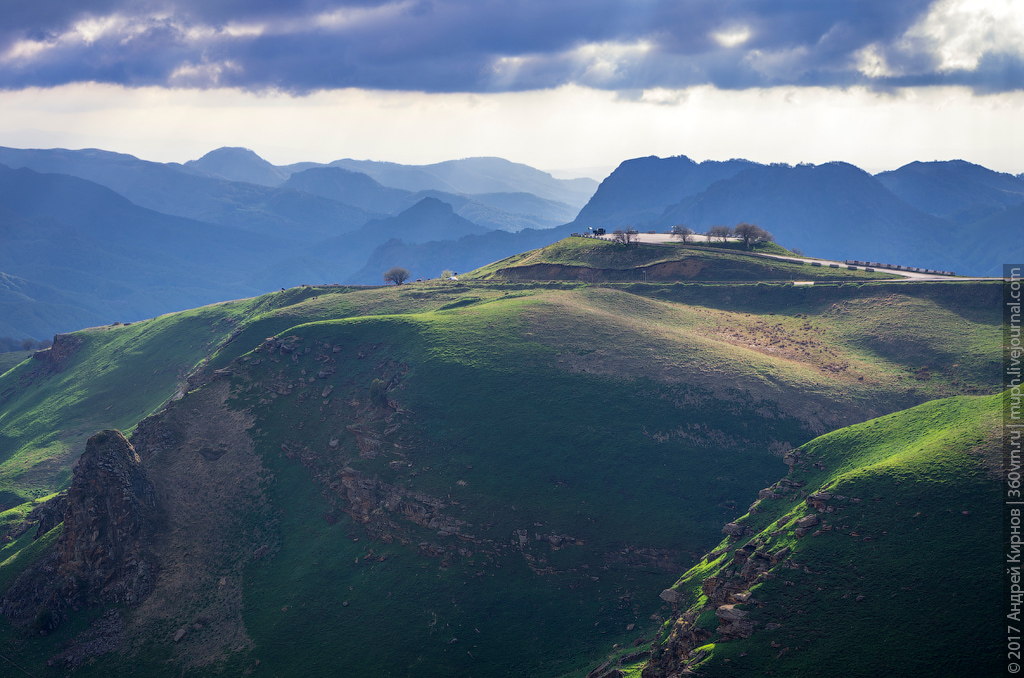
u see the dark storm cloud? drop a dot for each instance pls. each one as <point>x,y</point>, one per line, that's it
<point>468,45</point>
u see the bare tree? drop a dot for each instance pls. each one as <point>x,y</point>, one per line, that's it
<point>625,237</point>
<point>397,275</point>
<point>682,233</point>
<point>723,233</point>
<point>751,233</point>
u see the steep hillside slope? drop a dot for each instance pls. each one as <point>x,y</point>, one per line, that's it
<point>877,553</point>
<point>487,478</point>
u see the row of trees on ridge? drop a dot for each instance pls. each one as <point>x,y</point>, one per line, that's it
<point>748,233</point>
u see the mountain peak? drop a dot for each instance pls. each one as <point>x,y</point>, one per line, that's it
<point>429,207</point>
<point>239,164</point>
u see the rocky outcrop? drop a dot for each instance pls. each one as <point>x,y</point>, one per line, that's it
<point>58,354</point>
<point>751,564</point>
<point>373,503</point>
<point>105,525</point>
<point>102,555</point>
<point>671,658</point>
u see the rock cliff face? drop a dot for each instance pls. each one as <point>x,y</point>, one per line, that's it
<point>102,555</point>
<point>57,355</point>
<point>106,523</point>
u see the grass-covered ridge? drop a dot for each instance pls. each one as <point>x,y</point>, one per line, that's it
<point>906,553</point>
<point>479,461</point>
<point>593,260</point>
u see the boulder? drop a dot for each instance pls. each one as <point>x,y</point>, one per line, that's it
<point>734,623</point>
<point>809,521</point>
<point>671,596</point>
<point>733,530</point>
<point>729,614</point>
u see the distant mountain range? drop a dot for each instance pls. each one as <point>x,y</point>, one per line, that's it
<point>947,215</point>
<point>93,236</point>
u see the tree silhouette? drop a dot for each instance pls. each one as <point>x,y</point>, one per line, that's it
<point>681,233</point>
<point>751,233</point>
<point>625,237</point>
<point>397,275</point>
<point>723,233</point>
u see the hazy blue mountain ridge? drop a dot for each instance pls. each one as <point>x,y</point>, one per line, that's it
<point>834,210</point>
<point>239,164</point>
<point>31,309</point>
<point>349,187</point>
<point>475,175</point>
<point>114,235</point>
<point>954,189</point>
<point>505,211</point>
<point>638,191</point>
<point>175,190</point>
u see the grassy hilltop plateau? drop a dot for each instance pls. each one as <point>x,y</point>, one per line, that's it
<point>586,459</point>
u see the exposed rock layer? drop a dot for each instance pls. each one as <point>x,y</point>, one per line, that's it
<point>102,555</point>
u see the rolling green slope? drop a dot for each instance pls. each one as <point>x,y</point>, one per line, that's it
<point>478,478</point>
<point>898,575</point>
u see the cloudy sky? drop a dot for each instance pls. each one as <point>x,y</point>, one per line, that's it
<point>558,84</point>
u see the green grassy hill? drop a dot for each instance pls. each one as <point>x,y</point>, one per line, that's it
<point>596,260</point>
<point>899,575</point>
<point>479,478</point>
